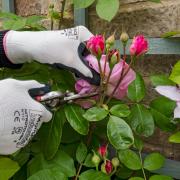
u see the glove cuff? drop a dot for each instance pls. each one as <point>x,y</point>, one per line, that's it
<point>4,61</point>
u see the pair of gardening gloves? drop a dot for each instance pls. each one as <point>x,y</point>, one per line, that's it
<point>20,115</point>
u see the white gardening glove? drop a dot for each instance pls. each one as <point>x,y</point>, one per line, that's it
<point>20,115</point>
<point>60,48</point>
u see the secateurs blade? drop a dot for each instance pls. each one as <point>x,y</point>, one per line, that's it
<point>56,98</point>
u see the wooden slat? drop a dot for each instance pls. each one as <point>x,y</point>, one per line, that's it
<point>171,168</point>
<point>8,5</point>
<point>157,46</point>
<point>80,17</point>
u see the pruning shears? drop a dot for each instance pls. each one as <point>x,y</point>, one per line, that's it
<point>55,98</point>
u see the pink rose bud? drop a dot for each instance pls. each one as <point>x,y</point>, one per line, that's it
<point>108,166</point>
<point>139,46</point>
<point>96,45</point>
<point>102,151</point>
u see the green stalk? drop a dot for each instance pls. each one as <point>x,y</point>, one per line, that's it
<point>144,174</point>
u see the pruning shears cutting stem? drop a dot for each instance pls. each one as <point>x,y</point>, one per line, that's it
<point>56,98</point>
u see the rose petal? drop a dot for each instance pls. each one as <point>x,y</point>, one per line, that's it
<point>170,92</point>
<point>177,111</point>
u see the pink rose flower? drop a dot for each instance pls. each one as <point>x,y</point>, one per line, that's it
<point>139,46</point>
<point>83,86</point>
<point>96,45</point>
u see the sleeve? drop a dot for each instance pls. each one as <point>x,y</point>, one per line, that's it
<point>4,61</point>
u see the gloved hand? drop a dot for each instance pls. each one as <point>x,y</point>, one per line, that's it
<point>59,48</point>
<point>20,115</point>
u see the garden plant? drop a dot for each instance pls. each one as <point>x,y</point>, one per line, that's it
<point>97,138</point>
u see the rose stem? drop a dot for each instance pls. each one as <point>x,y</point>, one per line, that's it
<point>122,74</point>
<point>62,14</point>
<point>142,166</point>
<point>92,127</point>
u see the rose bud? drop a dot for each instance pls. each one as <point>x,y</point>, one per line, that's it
<point>139,46</point>
<point>110,41</point>
<point>96,45</point>
<point>115,162</point>
<point>103,151</point>
<point>103,169</point>
<point>96,159</point>
<point>124,38</point>
<point>114,57</point>
<point>108,166</point>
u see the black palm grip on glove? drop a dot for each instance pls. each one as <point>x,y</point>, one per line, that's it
<point>82,52</point>
<point>39,91</point>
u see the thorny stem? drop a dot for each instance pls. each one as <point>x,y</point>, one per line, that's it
<point>145,178</point>
<point>101,83</point>
<point>106,84</point>
<point>92,127</point>
<point>122,73</point>
<point>62,14</point>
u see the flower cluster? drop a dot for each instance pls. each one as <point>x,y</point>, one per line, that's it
<point>100,159</point>
<point>115,73</point>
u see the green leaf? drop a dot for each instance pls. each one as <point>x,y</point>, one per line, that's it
<point>8,24</point>
<point>88,161</point>
<point>160,80</point>
<point>8,168</point>
<point>164,105</point>
<point>141,120</point>
<point>95,114</point>
<point>130,159</point>
<point>175,74</point>
<point>82,4</point>
<point>136,178</point>
<point>119,133</point>
<point>19,24</point>
<point>54,134</point>
<point>175,138</point>
<point>136,90</point>
<point>62,161</point>
<point>74,115</point>
<point>120,110</point>
<point>154,161</point>
<point>170,34</point>
<point>8,15</point>
<point>107,9</point>
<point>48,174</point>
<point>138,144</point>
<point>81,152</point>
<point>31,20</point>
<point>123,172</point>
<point>162,110</point>
<point>93,175</point>
<point>160,177</point>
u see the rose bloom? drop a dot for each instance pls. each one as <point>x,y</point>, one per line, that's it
<point>96,45</point>
<point>83,86</point>
<point>139,46</point>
